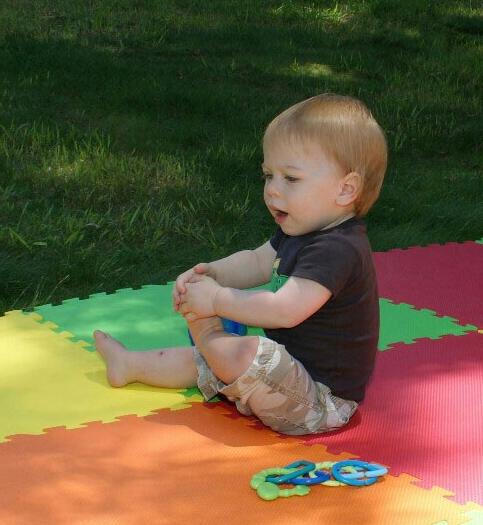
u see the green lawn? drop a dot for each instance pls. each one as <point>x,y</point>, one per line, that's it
<point>130,129</point>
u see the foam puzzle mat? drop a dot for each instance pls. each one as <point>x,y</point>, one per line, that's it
<point>73,450</point>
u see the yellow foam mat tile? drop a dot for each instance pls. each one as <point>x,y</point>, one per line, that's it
<point>47,381</point>
<point>473,516</point>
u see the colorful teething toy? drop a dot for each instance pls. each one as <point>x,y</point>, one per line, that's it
<point>303,473</point>
<point>326,467</point>
<point>367,473</point>
<point>318,477</point>
<point>270,491</point>
<point>307,467</point>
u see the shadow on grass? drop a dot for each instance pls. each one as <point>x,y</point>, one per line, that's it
<point>168,105</point>
<point>198,83</point>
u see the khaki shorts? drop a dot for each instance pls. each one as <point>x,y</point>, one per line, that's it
<point>280,392</point>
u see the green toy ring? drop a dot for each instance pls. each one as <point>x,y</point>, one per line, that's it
<point>327,465</point>
<point>270,491</point>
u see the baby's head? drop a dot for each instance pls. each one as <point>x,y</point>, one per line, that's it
<point>342,131</point>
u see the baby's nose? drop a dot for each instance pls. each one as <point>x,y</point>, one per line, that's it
<point>272,189</point>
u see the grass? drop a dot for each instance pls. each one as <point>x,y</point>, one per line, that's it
<point>130,129</point>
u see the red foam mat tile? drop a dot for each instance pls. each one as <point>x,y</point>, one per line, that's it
<point>423,415</point>
<point>444,278</point>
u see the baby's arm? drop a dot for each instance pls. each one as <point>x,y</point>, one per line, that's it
<point>294,302</point>
<point>245,269</point>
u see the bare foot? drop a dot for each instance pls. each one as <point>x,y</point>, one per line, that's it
<point>114,354</point>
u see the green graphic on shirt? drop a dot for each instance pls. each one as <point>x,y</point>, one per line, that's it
<point>277,281</point>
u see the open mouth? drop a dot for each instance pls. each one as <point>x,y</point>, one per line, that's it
<point>280,216</point>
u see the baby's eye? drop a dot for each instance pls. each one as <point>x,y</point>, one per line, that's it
<point>291,179</point>
<point>266,176</point>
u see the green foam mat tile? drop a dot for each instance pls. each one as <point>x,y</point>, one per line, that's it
<point>141,319</point>
<point>144,319</point>
<point>402,323</point>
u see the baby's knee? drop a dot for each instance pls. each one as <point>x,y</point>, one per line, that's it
<point>247,350</point>
<point>238,358</point>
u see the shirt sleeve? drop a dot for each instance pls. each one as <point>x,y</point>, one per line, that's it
<point>276,238</point>
<point>329,262</point>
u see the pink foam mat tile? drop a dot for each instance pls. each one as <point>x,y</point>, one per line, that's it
<point>445,278</point>
<point>423,415</point>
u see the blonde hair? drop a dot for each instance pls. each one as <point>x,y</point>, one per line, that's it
<point>346,132</point>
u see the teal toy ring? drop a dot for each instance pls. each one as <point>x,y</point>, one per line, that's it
<point>298,468</point>
<point>366,474</point>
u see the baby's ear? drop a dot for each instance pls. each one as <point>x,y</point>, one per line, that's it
<point>349,188</point>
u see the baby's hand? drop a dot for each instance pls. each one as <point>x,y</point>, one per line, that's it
<point>199,299</point>
<point>180,284</point>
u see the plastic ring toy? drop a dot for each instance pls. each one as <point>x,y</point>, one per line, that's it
<point>368,473</point>
<point>230,327</point>
<point>362,479</point>
<point>233,327</point>
<point>317,477</point>
<point>270,491</point>
<point>327,466</point>
<point>306,467</point>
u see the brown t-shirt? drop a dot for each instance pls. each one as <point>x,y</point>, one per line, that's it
<point>338,343</point>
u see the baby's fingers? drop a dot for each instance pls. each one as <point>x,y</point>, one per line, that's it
<point>196,278</point>
<point>179,298</point>
<point>191,316</point>
<point>180,284</point>
<point>176,297</point>
<point>182,279</point>
<point>187,310</point>
<point>201,268</point>
<point>176,302</point>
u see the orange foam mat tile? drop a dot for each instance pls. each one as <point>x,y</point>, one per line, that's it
<point>190,466</point>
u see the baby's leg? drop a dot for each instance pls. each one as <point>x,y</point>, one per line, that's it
<point>163,367</point>
<point>228,356</point>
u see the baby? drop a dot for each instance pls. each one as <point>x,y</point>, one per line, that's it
<point>324,164</point>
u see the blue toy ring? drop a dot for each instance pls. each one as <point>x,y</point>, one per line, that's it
<point>306,467</point>
<point>382,471</point>
<point>230,327</point>
<point>319,477</point>
<point>367,476</point>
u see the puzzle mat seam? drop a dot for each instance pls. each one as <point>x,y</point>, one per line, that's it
<point>469,510</point>
<point>464,328</point>
<point>432,245</point>
<point>468,328</point>
<point>416,246</point>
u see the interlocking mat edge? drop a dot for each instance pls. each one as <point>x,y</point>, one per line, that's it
<point>164,456</point>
